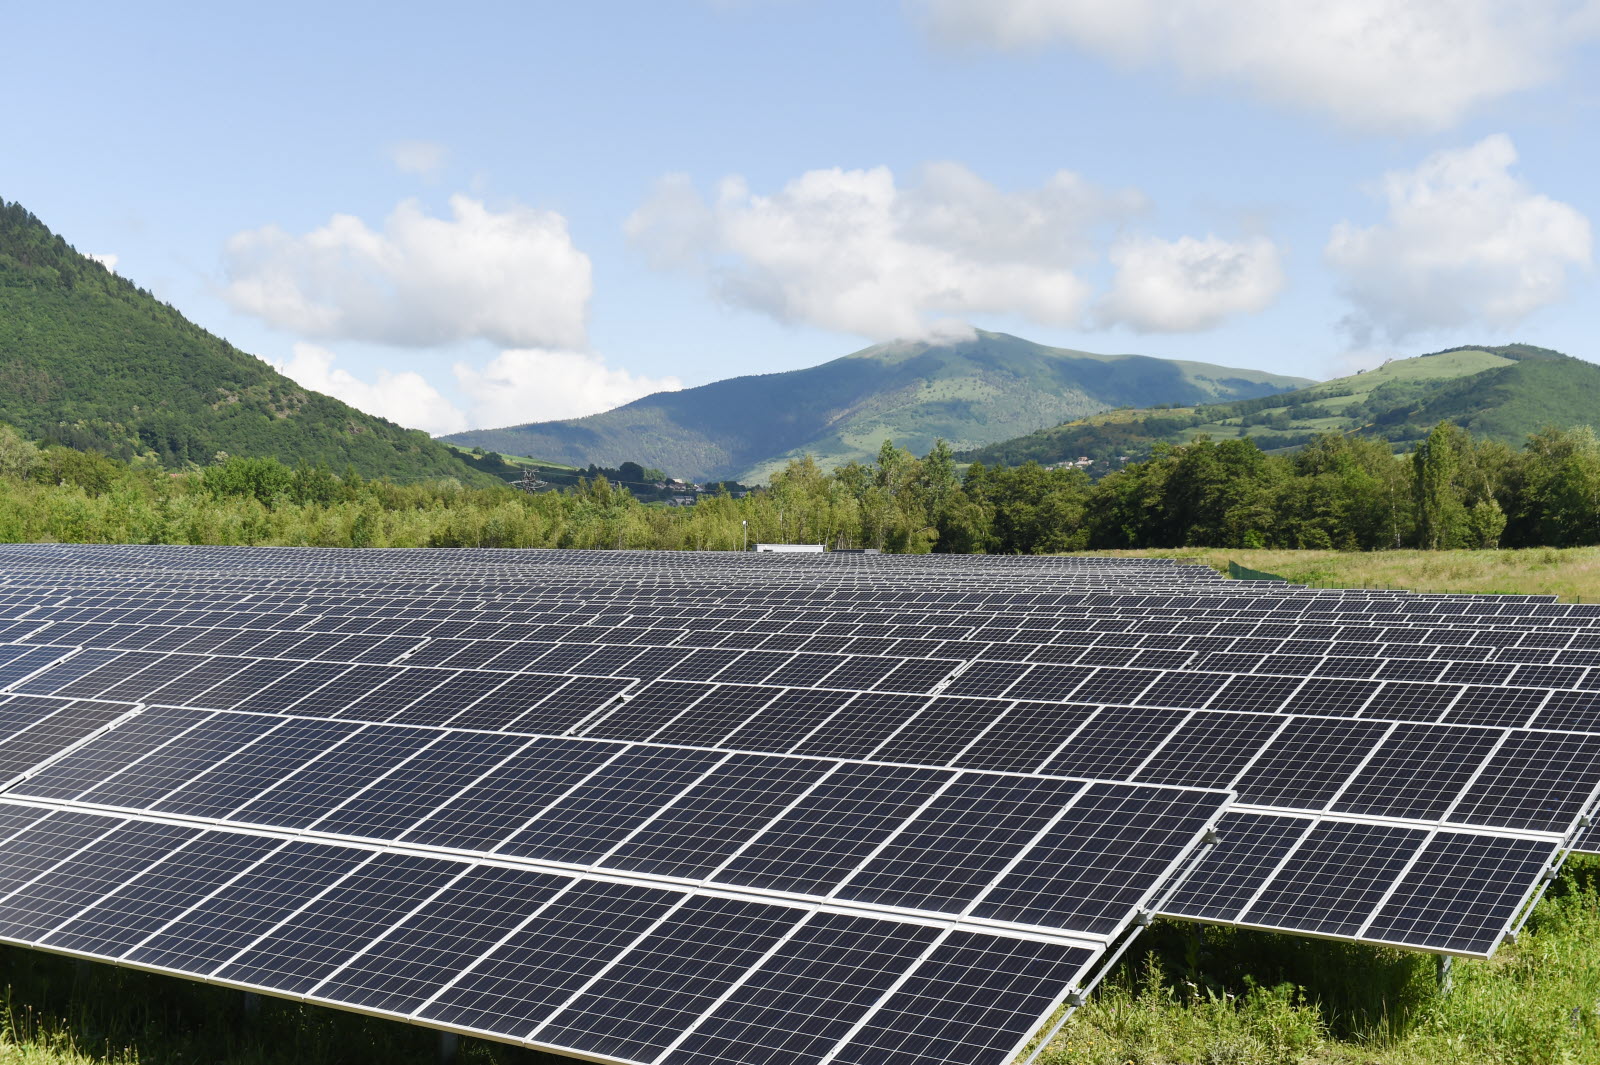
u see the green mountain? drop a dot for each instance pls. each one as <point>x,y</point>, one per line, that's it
<point>89,360</point>
<point>1500,392</point>
<point>970,393</point>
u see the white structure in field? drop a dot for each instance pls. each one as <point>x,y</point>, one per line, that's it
<point>798,548</point>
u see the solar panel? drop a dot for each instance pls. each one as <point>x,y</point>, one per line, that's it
<point>666,807</point>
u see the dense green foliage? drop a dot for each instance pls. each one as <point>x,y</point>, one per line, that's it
<point>1345,493</point>
<point>1503,393</point>
<point>971,393</point>
<point>91,361</point>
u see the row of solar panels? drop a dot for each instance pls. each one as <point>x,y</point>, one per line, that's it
<point>1474,777</point>
<point>612,968</point>
<point>433,679</point>
<point>1035,625</point>
<point>644,620</point>
<point>1448,861</point>
<point>330,922</point>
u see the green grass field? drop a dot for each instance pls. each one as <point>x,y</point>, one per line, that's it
<point>1572,573</point>
<point>1220,997</point>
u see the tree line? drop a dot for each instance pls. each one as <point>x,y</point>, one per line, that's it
<point>1339,492</point>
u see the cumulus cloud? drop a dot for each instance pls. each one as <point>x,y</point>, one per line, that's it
<point>1189,284</point>
<point>511,277</point>
<point>1375,63</point>
<point>405,398</point>
<point>854,251</point>
<point>423,158</point>
<point>1465,241</point>
<point>107,260</point>
<point>540,385</point>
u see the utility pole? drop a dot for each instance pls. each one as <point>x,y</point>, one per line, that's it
<point>746,542</point>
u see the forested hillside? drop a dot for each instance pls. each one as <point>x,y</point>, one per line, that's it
<point>89,360</point>
<point>970,392</point>
<point>1503,393</point>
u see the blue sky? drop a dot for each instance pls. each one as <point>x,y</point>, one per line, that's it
<point>500,213</point>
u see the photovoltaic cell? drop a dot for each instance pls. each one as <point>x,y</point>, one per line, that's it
<point>1417,772</point>
<point>502,802</point>
<point>606,808</point>
<point>1462,893</point>
<point>246,908</point>
<point>1536,780</point>
<point>640,1005</point>
<point>807,996</point>
<point>716,816</point>
<point>316,940</point>
<point>37,907</point>
<point>1229,874</point>
<point>1111,846</point>
<point>1025,737</point>
<point>427,950</point>
<point>573,938</point>
<point>824,836</point>
<point>70,723</point>
<point>973,1001</point>
<point>1307,763</point>
<point>1335,877</point>
<point>954,848</point>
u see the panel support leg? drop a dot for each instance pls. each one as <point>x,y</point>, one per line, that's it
<point>250,1004</point>
<point>449,1043</point>
<point>1446,963</point>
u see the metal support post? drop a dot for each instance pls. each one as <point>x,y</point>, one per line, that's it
<point>1446,963</point>
<point>250,1004</point>
<point>449,1043</point>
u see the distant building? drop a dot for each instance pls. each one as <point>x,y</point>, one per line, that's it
<point>794,549</point>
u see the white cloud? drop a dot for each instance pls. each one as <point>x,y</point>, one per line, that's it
<point>1464,242</point>
<point>853,251</point>
<point>537,385</point>
<point>423,158</point>
<point>1374,63</point>
<point>107,260</point>
<point>405,398</point>
<point>1188,284</point>
<point>512,277</point>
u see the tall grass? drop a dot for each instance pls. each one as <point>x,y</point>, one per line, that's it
<point>1217,996</point>
<point>1573,573</point>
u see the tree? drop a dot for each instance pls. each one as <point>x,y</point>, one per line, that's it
<point>18,455</point>
<point>1557,489</point>
<point>1456,480</point>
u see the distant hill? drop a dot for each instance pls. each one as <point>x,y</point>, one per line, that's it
<point>971,393</point>
<point>1503,393</point>
<point>89,360</point>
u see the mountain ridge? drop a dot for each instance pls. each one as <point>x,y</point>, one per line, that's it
<point>1503,392</point>
<point>968,392</point>
<point>91,360</point>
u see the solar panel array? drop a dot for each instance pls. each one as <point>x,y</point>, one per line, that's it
<point>680,807</point>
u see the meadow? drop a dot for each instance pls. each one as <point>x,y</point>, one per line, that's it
<point>1572,573</point>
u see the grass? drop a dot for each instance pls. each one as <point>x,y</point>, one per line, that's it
<point>1216,996</point>
<point>1572,573</point>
